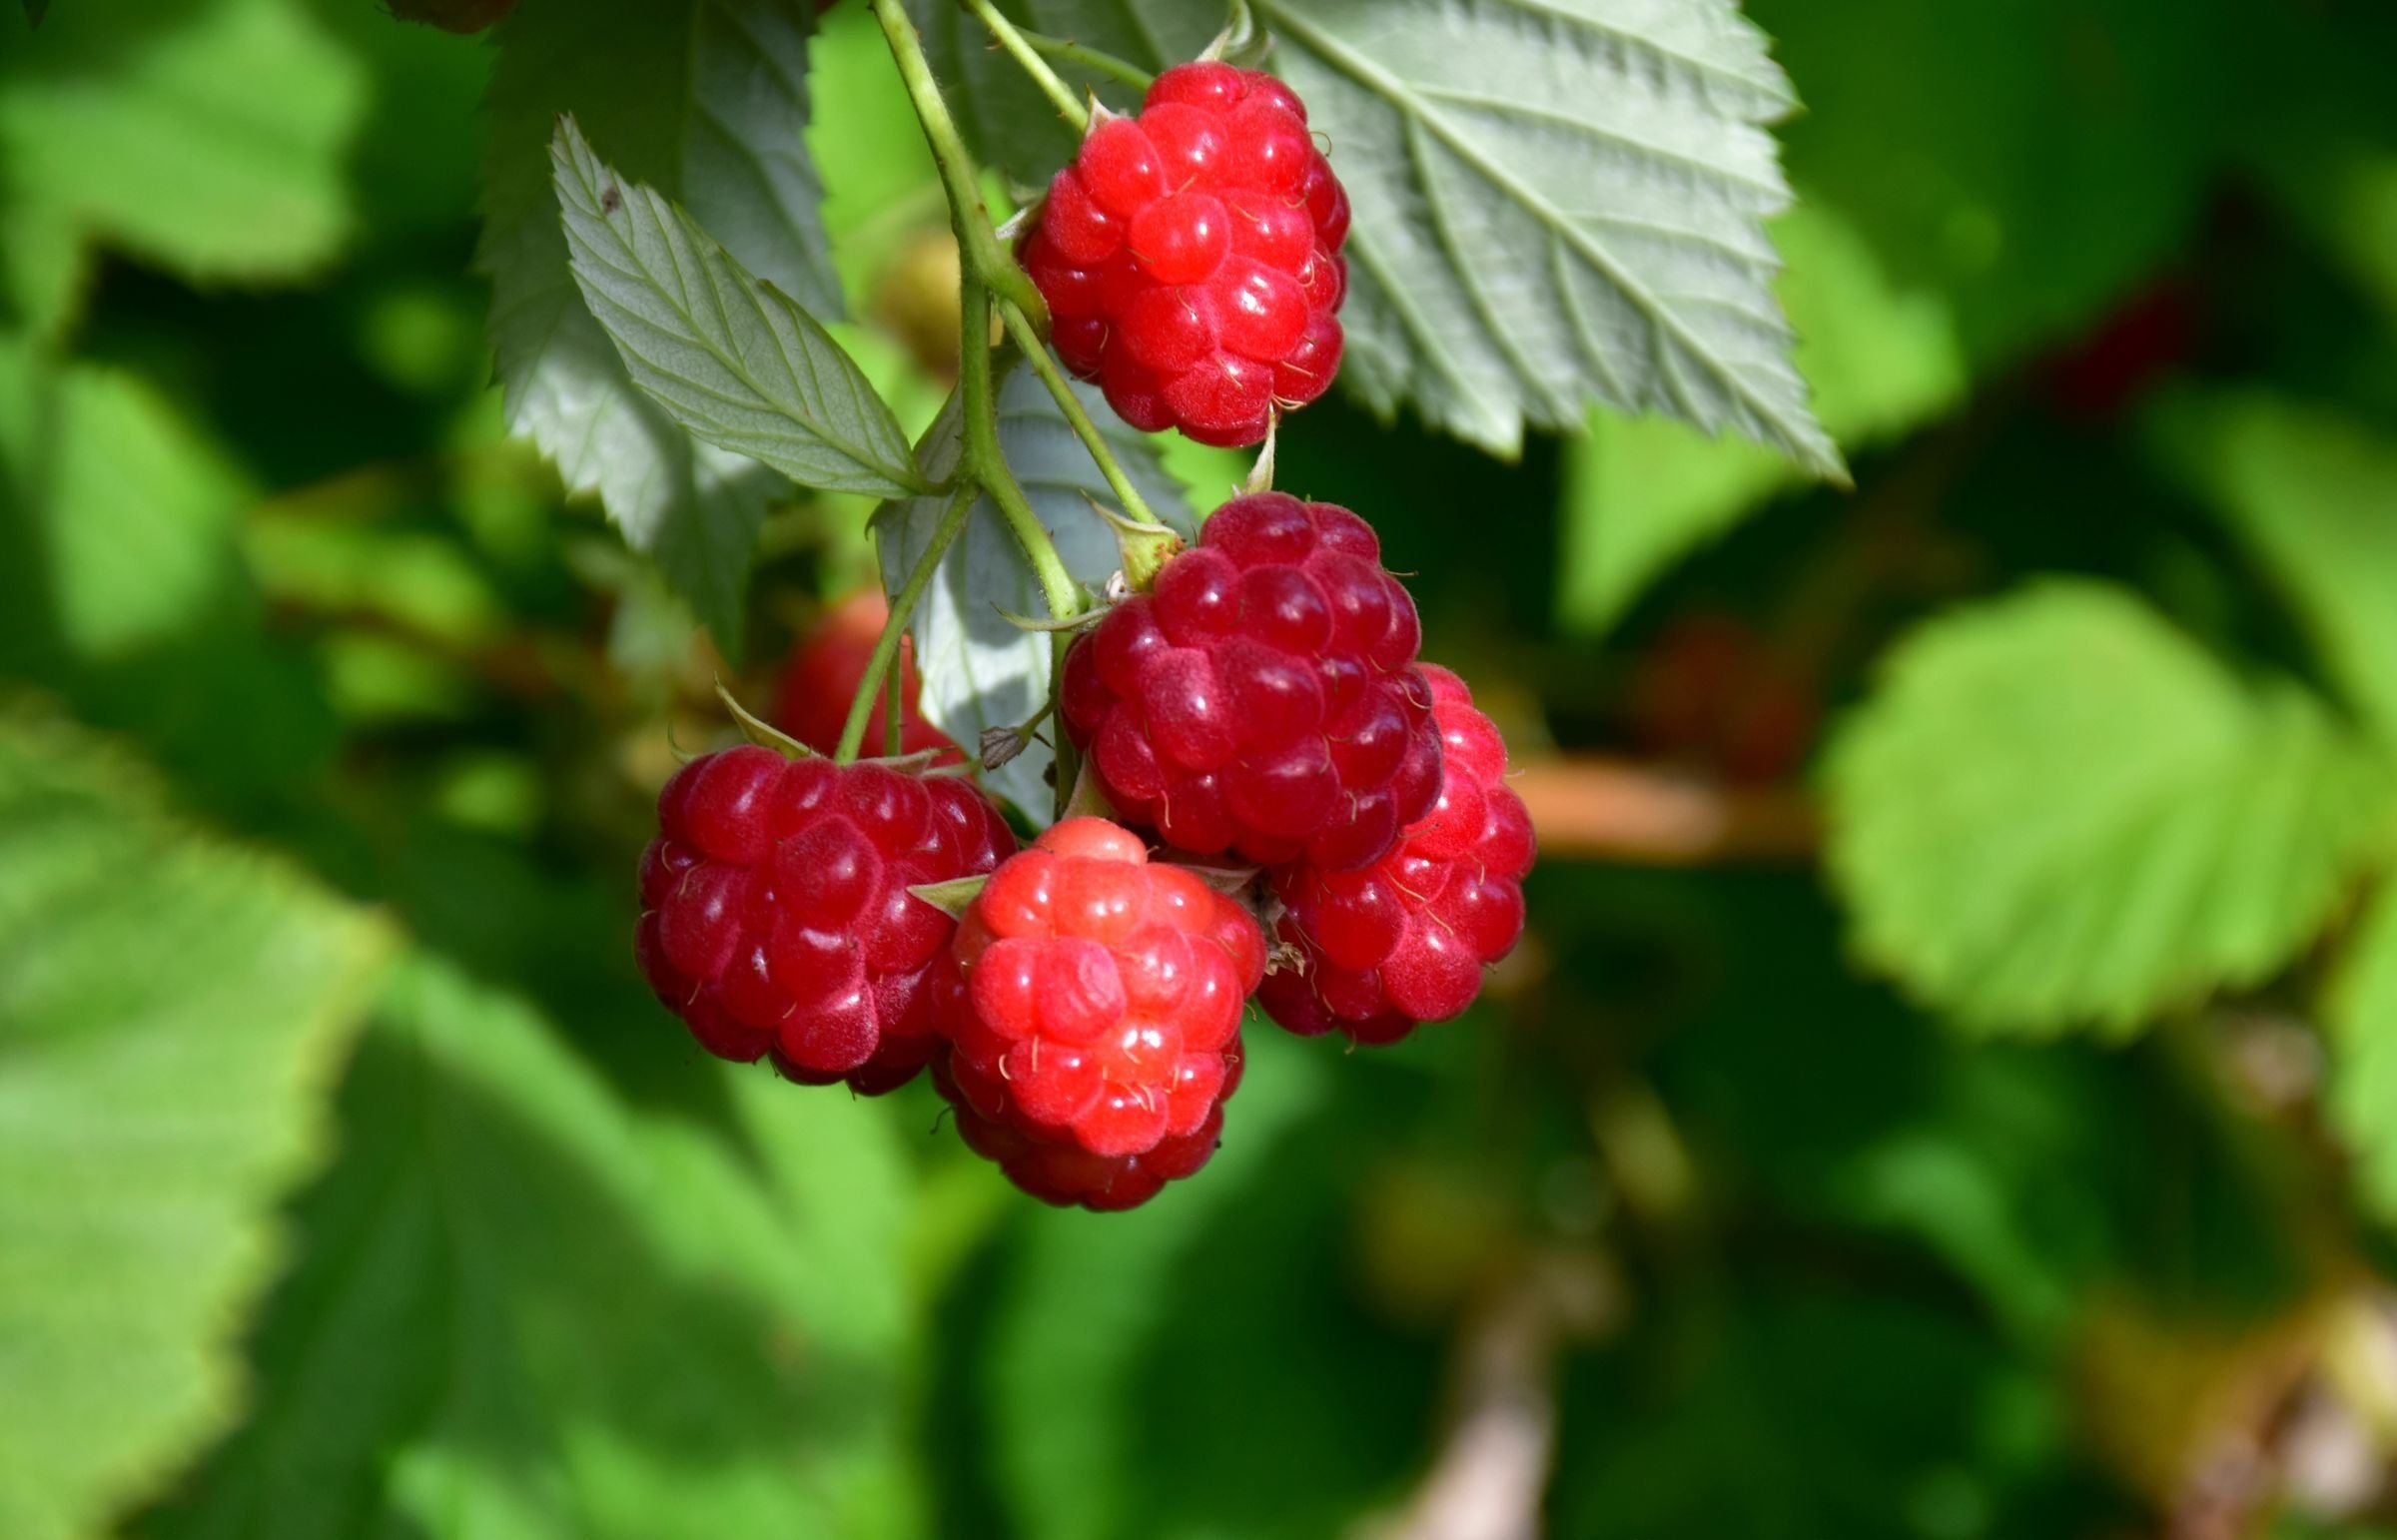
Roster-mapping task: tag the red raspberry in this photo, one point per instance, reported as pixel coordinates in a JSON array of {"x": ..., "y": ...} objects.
[
  {"x": 821, "y": 678},
  {"x": 1403, "y": 941},
  {"x": 775, "y": 916},
  {"x": 1190, "y": 257},
  {"x": 1263, "y": 697},
  {"x": 1064, "y": 1173},
  {"x": 1096, "y": 1009}
]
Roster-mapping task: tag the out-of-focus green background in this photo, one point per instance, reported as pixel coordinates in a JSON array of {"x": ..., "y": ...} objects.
[{"x": 350, "y": 1183}]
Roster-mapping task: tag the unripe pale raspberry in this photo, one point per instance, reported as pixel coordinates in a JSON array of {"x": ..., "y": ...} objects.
[
  {"x": 1404, "y": 941},
  {"x": 820, "y": 679},
  {"x": 1098, "y": 1000},
  {"x": 775, "y": 916},
  {"x": 1262, "y": 697},
  {"x": 1190, "y": 257}
]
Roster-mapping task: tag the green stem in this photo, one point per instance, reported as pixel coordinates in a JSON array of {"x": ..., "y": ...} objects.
[
  {"x": 1089, "y": 59},
  {"x": 976, "y": 242},
  {"x": 902, "y": 608},
  {"x": 1068, "y": 105},
  {"x": 1019, "y": 326},
  {"x": 894, "y": 709},
  {"x": 982, "y": 461}
]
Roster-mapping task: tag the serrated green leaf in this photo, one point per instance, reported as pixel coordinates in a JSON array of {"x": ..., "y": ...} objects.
[
  {"x": 529, "y": 1306},
  {"x": 734, "y": 360},
  {"x": 2361, "y": 1015},
  {"x": 1557, "y": 201},
  {"x": 706, "y": 101},
  {"x": 2057, "y": 810},
  {"x": 1642, "y": 494},
  {"x": 171, "y": 1010},
  {"x": 2315, "y": 495},
  {"x": 980, "y": 669},
  {"x": 207, "y": 139}
]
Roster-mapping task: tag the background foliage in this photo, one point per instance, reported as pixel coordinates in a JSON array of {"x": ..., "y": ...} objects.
[{"x": 1951, "y": 1087}]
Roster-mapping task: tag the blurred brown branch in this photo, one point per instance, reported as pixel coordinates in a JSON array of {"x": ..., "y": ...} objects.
[
  {"x": 1602, "y": 809},
  {"x": 1490, "y": 1478}
]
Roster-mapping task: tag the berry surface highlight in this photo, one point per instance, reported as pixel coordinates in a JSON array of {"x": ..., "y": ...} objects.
[
  {"x": 1404, "y": 941},
  {"x": 1263, "y": 697},
  {"x": 775, "y": 914},
  {"x": 1190, "y": 257},
  {"x": 1095, "y": 1015}
]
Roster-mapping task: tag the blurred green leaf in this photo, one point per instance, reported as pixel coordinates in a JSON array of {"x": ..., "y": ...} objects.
[
  {"x": 1125, "y": 1366},
  {"x": 2031, "y": 161},
  {"x": 736, "y": 361},
  {"x": 617, "y": 1321},
  {"x": 704, "y": 99},
  {"x": 172, "y": 1009},
  {"x": 2315, "y": 495},
  {"x": 2361, "y": 1015},
  {"x": 206, "y": 138},
  {"x": 2056, "y": 809},
  {"x": 1643, "y": 493},
  {"x": 1813, "y": 1411},
  {"x": 131, "y": 508},
  {"x": 981, "y": 669},
  {"x": 1555, "y": 204}
]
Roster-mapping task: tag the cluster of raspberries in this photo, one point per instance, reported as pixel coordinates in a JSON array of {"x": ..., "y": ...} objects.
[
  {"x": 1190, "y": 257},
  {"x": 1276, "y": 757}
]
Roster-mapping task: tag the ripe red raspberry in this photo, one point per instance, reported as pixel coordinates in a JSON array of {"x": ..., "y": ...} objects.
[
  {"x": 1098, "y": 1007},
  {"x": 812, "y": 701},
  {"x": 1064, "y": 1173},
  {"x": 1190, "y": 257},
  {"x": 775, "y": 916},
  {"x": 1263, "y": 697},
  {"x": 1403, "y": 941}
]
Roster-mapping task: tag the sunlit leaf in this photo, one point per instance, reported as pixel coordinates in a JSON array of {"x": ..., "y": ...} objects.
[
  {"x": 529, "y": 1306},
  {"x": 2362, "y": 1019},
  {"x": 734, "y": 360},
  {"x": 171, "y": 1011},
  {"x": 705, "y": 100},
  {"x": 1557, "y": 201},
  {"x": 207, "y": 139},
  {"x": 2315, "y": 495},
  {"x": 131, "y": 506},
  {"x": 2057, "y": 809}
]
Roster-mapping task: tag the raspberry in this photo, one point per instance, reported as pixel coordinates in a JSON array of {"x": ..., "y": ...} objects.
[
  {"x": 775, "y": 916},
  {"x": 1095, "y": 1015},
  {"x": 1190, "y": 257},
  {"x": 821, "y": 677},
  {"x": 1262, "y": 697},
  {"x": 1064, "y": 1173},
  {"x": 1403, "y": 941}
]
